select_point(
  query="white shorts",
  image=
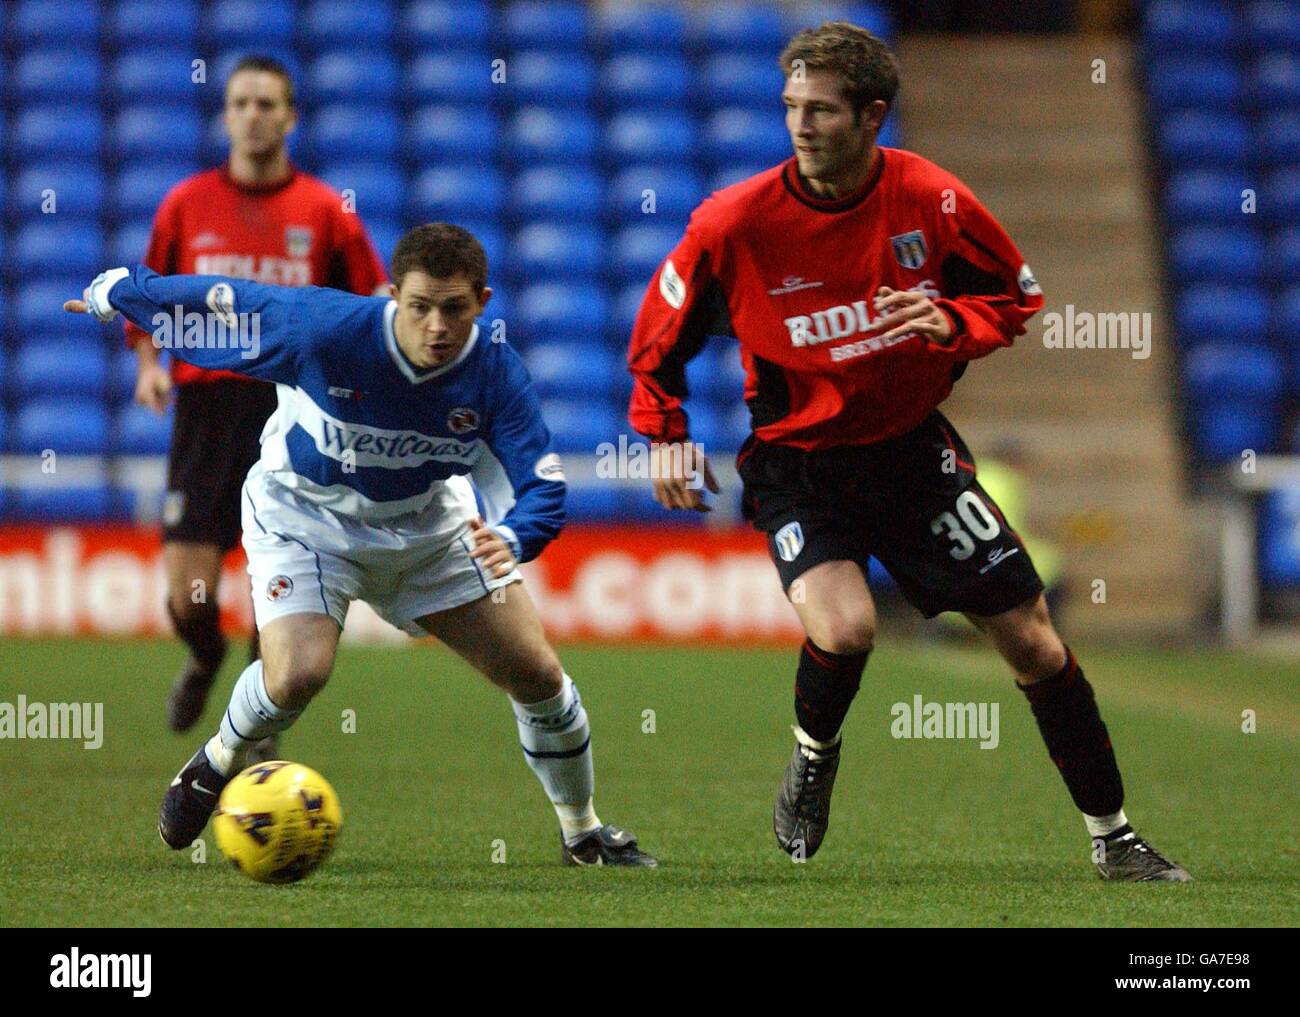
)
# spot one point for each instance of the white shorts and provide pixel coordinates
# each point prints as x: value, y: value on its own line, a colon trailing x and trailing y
x: 305, y: 559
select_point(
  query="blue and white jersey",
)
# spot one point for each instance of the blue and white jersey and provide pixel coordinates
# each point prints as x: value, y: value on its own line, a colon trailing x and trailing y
x: 360, y: 430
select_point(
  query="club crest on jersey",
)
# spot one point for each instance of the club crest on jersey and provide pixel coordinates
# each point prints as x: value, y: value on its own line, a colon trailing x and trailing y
x: 279, y: 588
x: 909, y: 249
x: 789, y: 541
x: 462, y: 420
x: 297, y: 241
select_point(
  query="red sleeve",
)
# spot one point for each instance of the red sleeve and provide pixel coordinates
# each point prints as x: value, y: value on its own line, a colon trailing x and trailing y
x: 162, y: 255
x: 354, y: 263
x: 683, y: 306
x: 988, y: 290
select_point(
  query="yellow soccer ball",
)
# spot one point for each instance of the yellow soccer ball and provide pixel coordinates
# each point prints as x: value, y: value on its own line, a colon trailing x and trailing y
x: 277, y: 821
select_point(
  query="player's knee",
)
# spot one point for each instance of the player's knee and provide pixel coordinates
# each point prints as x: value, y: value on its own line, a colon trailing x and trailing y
x: 842, y: 633
x: 1037, y: 652
x: 539, y: 676
x: 294, y: 684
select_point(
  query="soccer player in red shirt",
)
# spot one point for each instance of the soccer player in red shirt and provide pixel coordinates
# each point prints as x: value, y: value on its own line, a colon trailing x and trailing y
x: 859, y: 282
x: 257, y: 217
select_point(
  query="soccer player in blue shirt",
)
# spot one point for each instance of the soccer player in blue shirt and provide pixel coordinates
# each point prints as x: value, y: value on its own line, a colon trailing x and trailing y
x: 387, y: 409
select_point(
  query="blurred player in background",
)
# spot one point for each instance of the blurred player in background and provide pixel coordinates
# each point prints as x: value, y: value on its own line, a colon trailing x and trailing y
x: 257, y: 217
x: 362, y: 491
x: 860, y: 282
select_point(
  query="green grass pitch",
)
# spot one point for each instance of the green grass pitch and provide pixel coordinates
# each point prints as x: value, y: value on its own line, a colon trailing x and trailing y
x: 922, y: 832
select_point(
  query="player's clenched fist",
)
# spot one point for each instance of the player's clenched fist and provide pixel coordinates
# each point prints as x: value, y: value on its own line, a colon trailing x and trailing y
x: 680, y: 470
x: 490, y: 549
x: 911, y: 311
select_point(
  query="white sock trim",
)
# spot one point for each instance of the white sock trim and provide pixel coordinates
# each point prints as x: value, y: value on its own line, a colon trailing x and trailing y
x: 1101, y: 826
x: 809, y: 742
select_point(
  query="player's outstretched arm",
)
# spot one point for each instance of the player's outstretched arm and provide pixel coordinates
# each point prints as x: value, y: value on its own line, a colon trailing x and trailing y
x: 208, y: 321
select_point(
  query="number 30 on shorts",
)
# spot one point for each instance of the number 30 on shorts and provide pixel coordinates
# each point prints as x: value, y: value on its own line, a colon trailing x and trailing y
x: 978, y: 519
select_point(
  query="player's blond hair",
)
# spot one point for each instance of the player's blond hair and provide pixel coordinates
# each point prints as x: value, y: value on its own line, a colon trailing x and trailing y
x: 863, y: 61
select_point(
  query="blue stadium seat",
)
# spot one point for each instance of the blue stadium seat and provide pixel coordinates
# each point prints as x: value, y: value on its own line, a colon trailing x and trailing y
x: 570, y: 193
x: 142, y: 132
x: 594, y: 502
x: 556, y: 251
x: 1217, y: 254
x: 451, y: 191
x: 1180, y: 27
x: 579, y: 425
x: 1208, y: 197
x: 1272, y: 23
x: 735, y: 135
x: 528, y: 24
x: 253, y: 25
x: 137, y: 431
x: 58, y: 75
x: 58, y: 130
x: 354, y: 76
x: 75, y: 189
x: 67, y: 248
x: 1282, y: 192
x: 488, y: 232
x: 1277, y: 139
x: 656, y: 80
x: 69, y: 426
x: 144, y: 22
x: 1223, y: 429
x: 1191, y: 138
x: 436, y: 133
x: 536, y: 134
x: 1283, y: 257
x: 4, y: 444
x: 1228, y: 369
x: 432, y: 24
x: 1279, y: 537
x: 378, y: 189
x: 564, y: 312
x: 1194, y: 83
x: 38, y: 310
x: 627, y: 303
x: 55, y: 22
x: 716, y: 373
x: 354, y: 132
x: 61, y: 368
x: 1286, y: 314
x: 741, y: 79
x: 741, y: 26
x: 384, y: 234
x: 328, y: 23
x: 452, y: 76
x: 725, y: 176
x: 676, y: 191
x: 551, y: 79
x: 212, y: 92
x: 139, y: 187
x: 1216, y: 311
x: 566, y: 369
x: 56, y: 503
x: 641, y: 27
x: 721, y: 427
x: 159, y: 76
x: 1275, y: 80
x: 637, y: 251
x: 129, y: 243
x: 121, y: 378
x: 643, y: 137
x: 4, y: 380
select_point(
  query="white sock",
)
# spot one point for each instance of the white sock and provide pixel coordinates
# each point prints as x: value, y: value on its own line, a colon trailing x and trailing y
x: 810, y: 743
x: 1101, y: 826
x: 250, y: 717
x: 556, y: 740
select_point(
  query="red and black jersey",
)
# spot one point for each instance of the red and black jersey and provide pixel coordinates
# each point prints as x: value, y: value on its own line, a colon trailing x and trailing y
x: 291, y: 233
x: 793, y: 277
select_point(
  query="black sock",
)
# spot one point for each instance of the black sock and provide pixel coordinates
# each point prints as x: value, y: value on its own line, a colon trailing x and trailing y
x: 824, y: 686
x: 201, y: 632
x: 1066, y: 711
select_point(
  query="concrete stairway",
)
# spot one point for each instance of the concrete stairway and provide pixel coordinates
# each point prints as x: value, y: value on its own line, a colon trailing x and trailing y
x: 1059, y: 161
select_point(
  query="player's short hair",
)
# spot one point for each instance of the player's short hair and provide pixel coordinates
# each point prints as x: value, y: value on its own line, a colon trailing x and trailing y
x: 442, y: 250
x: 271, y: 66
x: 869, y: 69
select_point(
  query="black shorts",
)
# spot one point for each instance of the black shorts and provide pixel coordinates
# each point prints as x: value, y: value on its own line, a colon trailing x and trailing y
x: 911, y: 502
x: 215, y: 442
